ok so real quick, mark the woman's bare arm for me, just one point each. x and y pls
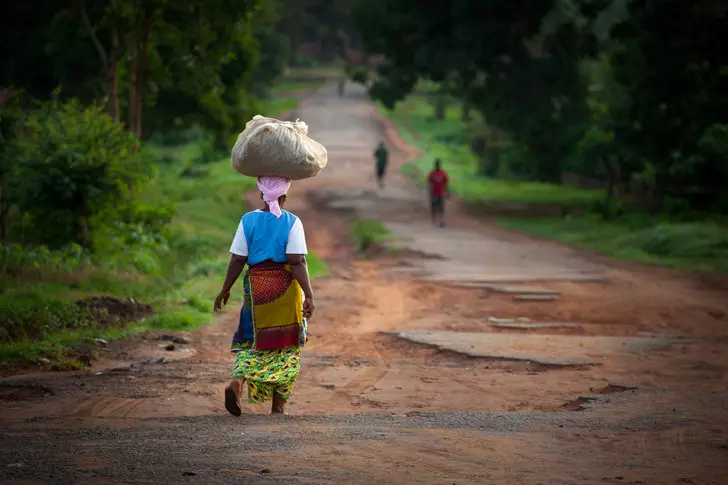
(235, 267)
(299, 268)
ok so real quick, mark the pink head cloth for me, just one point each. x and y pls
(272, 188)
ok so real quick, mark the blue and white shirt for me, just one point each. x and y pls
(261, 236)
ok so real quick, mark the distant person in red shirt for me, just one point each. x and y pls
(437, 181)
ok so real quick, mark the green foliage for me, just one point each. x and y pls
(28, 312)
(368, 233)
(609, 91)
(278, 106)
(358, 74)
(74, 163)
(121, 246)
(185, 319)
(698, 246)
(14, 258)
(447, 140)
(317, 267)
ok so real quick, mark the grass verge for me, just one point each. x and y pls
(695, 245)
(368, 233)
(40, 317)
(286, 94)
(448, 141)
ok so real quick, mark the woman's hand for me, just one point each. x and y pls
(221, 300)
(308, 307)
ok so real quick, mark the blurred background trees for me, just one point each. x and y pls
(631, 93)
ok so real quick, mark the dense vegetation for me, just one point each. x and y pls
(626, 97)
(115, 187)
(629, 93)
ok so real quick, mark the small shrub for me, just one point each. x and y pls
(302, 60)
(195, 171)
(177, 137)
(316, 266)
(75, 162)
(123, 246)
(367, 233)
(14, 257)
(66, 364)
(359, 75)
(181, 320)
(199, 304)
(684, 240)
(29, 313)
(208, 153)
(208, 267)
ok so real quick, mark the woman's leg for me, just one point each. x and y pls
(232, 396)
(279, 404)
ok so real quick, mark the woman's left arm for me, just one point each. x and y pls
(237, 263)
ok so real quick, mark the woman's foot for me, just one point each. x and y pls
(279, 404)
(232, 397)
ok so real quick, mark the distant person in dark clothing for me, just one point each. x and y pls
(382, 157)
(437, 181)
(342, 86)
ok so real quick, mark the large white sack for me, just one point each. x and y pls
(269, 146)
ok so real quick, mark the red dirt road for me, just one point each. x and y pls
(372, 408)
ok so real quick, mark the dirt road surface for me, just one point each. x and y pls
(426, 363)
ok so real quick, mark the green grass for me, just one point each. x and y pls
(693, 246)
(287, 85)
(317, 267)
(299, 81)
(321, 73)
(448, 140)
(367, 233)
(38, 314)
(275, 107)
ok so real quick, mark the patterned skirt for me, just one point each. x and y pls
(272, 330)
(267, 371)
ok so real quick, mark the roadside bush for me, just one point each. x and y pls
(75, 162)
(696, 240)
(177, 137)
(125, 246)
(301, 60)
(358, 74)
(367, 233)
(29, 313)
(14, 257)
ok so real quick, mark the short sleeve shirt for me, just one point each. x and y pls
(262, 236)
(438, 182)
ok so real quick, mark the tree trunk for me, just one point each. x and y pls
(440, 107)
(112, 74)
(83, 233)
(132, 43)
(110, 64)
(140, 78)
(138, 42)
(465, 115)
(3, 211)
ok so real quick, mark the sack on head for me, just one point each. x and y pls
(272, 147)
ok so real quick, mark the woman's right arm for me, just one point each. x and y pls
(238, 260)
(299, 268)
(237, 263)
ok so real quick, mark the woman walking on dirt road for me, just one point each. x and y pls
(277, 301)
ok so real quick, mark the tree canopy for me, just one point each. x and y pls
(637, 87)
